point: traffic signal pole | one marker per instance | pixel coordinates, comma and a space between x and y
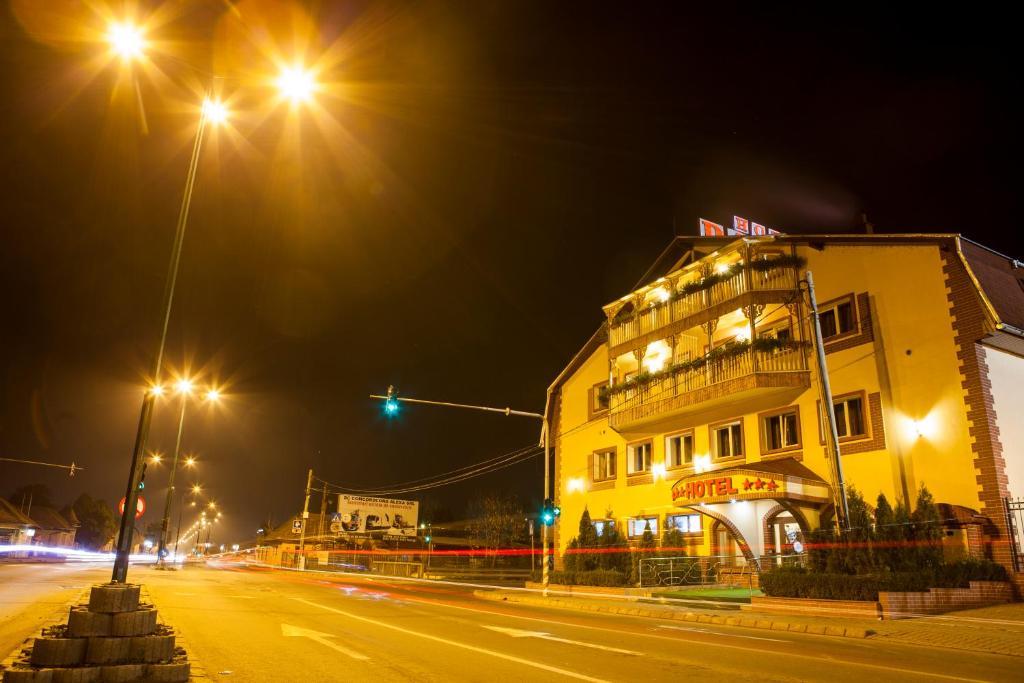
305, 518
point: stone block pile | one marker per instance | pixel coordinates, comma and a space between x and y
113, 639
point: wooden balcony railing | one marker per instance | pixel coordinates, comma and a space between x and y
690, 387
654, 318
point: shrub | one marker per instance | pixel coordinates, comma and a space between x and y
959, 574
798, 583
595, 577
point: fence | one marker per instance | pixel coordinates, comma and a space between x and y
719, 570
1015, 522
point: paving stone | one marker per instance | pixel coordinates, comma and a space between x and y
83, 623
122, 673
175, 672
138, 623
28, 675
58, 651
115, 597
108, 650
151, 649
80, 674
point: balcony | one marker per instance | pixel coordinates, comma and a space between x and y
729, 378
746, 286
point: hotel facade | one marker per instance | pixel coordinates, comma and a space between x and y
697, 405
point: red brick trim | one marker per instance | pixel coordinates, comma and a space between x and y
970, 324
741, 542
876, 427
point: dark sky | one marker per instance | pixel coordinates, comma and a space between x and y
475, 181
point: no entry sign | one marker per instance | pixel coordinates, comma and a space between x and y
140, 507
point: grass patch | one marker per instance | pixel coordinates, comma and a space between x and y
741, 595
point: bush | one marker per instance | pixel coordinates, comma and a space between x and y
595, 577
959, 574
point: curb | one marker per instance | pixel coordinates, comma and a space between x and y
675, 615
196, 670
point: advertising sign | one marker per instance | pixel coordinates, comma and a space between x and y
363, 515
723, 489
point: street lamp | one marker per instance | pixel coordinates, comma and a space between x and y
196, 489
126, 40
296, 83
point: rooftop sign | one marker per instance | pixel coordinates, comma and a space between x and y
740, 226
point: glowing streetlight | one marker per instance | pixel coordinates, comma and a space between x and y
215, 111
212, 506
183, 386
126, 40
196, 488
156, 390
190, 461
213, 395
296, 83
155, 458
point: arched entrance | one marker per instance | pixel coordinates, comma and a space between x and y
725, 546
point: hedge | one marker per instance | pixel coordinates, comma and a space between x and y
595, 577
795, 582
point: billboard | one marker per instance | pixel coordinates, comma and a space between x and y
363, 515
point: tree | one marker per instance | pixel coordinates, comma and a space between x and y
497, 522
97, 522
615, 553
587, 543
34, 494
644, 550
887, 550
927, 529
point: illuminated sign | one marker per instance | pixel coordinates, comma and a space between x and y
712, 489
740, 226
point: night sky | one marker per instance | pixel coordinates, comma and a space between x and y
474, 181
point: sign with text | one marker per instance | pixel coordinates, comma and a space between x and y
723, 489
389, 516
740, 227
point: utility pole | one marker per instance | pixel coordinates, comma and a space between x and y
830, 411
323, 511
305, 518
166, 521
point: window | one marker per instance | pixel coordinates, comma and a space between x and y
727, 440
850, 416
637, 525
598, 399
781, 331
781, 431
602, 525
837, 318
679, 450
604, 465
638, 457
687, 524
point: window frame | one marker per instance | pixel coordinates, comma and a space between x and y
614, 452
834, 304
668, 453
593, 401
763, 432
713, 442
865, 417
645, 519
630, 455
688, 532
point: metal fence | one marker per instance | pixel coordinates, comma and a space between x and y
1015, 522
720, 570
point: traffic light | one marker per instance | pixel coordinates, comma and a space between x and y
142, 477
426, 539
391, 402
549, 512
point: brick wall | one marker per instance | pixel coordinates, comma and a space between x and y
970, 324
941, 600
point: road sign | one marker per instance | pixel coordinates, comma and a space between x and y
140, 507
297, 526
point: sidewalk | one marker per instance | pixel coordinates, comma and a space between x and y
995, 630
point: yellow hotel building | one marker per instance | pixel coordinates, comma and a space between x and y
697, 404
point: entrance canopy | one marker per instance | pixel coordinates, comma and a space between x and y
746, 498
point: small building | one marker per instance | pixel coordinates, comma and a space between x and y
15, 527
53, 528
697, 405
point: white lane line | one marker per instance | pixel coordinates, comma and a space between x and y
454, 643
289, 631
716, 633
728, 646
519, 633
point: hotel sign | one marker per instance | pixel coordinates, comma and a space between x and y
723, 489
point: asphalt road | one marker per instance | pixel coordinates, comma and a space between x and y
248, 624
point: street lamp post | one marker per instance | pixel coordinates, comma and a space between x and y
184, 387
181, 509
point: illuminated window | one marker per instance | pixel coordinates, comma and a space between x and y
727, 440
604, 465
679, 450
687, 524
781, 431
638, 458
637, 526
602, 525
837, 318
779, 330
850, 416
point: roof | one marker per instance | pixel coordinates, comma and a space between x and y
49, 519
1001, 278
9, 515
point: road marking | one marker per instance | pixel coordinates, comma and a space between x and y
716, 633
519, 633
727, 646
290, 631
454, 643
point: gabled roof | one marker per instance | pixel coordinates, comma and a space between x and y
48, 519
9, 515
1001, 278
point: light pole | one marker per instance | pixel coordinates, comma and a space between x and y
184, 388
296, 83
196, 488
